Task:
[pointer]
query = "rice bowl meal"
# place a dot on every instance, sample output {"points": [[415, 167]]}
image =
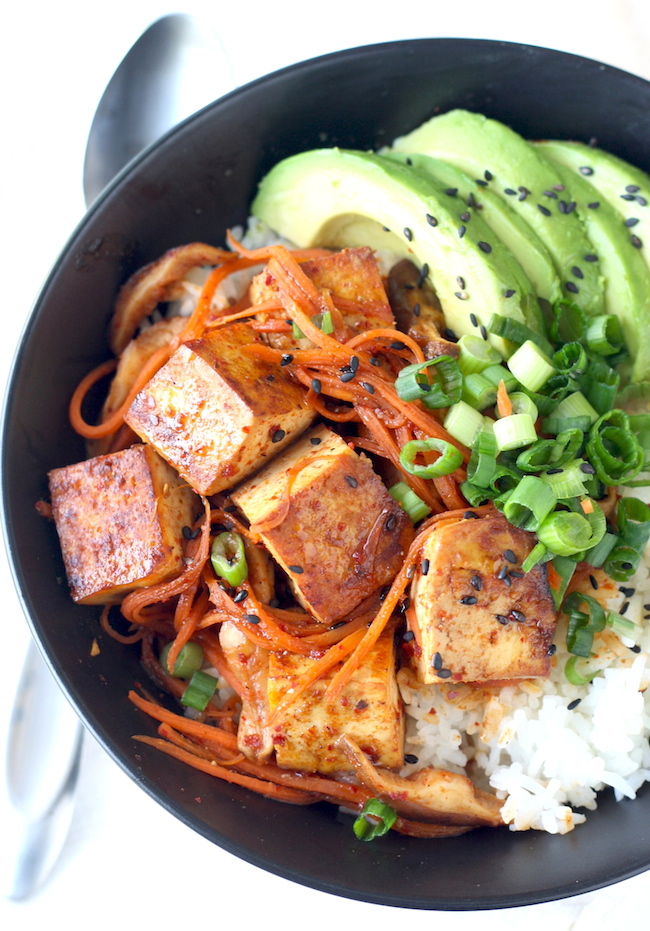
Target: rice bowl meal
{"points": [[367, 485]]}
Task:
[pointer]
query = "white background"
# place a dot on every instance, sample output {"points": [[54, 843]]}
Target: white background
{"points": [[127, 863]]}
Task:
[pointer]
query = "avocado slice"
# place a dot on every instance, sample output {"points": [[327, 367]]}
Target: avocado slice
{"points": [[500, 158], [627, 277], [337, 197], [505, 223], [624, 187]]}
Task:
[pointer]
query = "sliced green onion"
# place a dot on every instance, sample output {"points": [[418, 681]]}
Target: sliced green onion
{"points": [[449, 460], [474, 494], [597, 555], [581, 625], [478, 392], [187, 662], [604, 335], [476, 354], [568, 324], [545, 454], [517, 332], [228, 558], [322, 321], [633, 524], [530, 366], [566, 481], [412, 383], [412, 503], [600, 385], [529, 503], [564, 569], [537, 555], [515, 431], [622, 626], [199, 691], [573, 673], [483, 459], [570, 359], [565, 533], [575, 405], [557, 425], [499, 373], [613, 449], [376, 818], [523, 404], [463, 422]]}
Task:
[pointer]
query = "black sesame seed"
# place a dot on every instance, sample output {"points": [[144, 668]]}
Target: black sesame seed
{"points": [[354, 363], [424, 273], [286, 359], [476, 582], [572, 287], [516, 574], [594, 581], [631, 221], [485, 246], [367, 387], [586, 170], [554, 471], [510, 556], [577, 272], [466, 217], [570, 207], [473, 320], [625, 590], [449, 334], [544, 210], [627, 197], [451, 191], [468, 600], [252, 618], [461, 231], [624, 607], [408, 234], [590, 257], [587, 468], [397, 344], [509, 191], [351, 480], [558, 187], [444, 673], [240, 596], [562, 205], [187, 532], [523, 193], [510, 292], [316, 385], [460, 281], [278, 436], [416, 310], [410, 758], [627, 565], [488, 175], [424, 567], [391, 522], [551, 650], [502, 619], [405, 605], [502, 573], [518, 616], [636, 648], [431, 220], [338, 624], [195, 533], [483, 332], [436, 662], [347, 375], [297, 569], [641, 201], [470, 515], [573, 704], [636, 242], [461, 295], [315, 441], [594, 205], [408, 636], [632, 188], [551, 194]]}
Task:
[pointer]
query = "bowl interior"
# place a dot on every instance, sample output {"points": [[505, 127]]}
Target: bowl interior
{"points": [[193, 185]]}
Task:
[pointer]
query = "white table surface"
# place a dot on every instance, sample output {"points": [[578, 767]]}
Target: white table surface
{"points": [[56, 59]]}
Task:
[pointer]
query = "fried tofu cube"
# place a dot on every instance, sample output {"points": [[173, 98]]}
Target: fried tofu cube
{"points": [[250, 664], [120, 521], [476, 617], [342, 536], [215, 413], [353, 278], [368, 710]]}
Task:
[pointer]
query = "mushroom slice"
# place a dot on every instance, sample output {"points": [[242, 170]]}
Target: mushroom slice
{"points": [[430, 795]]}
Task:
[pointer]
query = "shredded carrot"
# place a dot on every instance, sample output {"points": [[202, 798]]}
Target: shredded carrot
{"points": [[587, 506], [504, 404]]}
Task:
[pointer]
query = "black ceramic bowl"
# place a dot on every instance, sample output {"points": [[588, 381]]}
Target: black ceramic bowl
{"points": [[193, 185]]}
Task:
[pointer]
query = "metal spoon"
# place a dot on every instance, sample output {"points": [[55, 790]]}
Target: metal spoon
{"points": [[177, 66]]}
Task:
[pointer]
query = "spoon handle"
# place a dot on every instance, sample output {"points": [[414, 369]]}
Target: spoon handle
{"points": [[43, 756]]}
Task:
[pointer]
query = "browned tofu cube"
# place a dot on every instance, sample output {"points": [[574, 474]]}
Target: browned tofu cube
{"points": [[369, 710], [120, 522], [476, 617], [353, 278], [215, 413], [343, 536]]}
